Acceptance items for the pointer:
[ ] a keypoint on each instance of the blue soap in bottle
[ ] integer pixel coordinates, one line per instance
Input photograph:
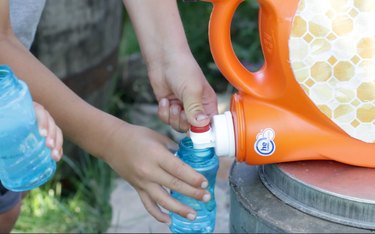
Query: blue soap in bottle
(205, 162)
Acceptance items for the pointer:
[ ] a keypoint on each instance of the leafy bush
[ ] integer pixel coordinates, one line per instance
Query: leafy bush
(50, 208)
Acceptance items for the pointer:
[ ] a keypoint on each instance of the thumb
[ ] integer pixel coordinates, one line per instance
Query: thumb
(192, 101)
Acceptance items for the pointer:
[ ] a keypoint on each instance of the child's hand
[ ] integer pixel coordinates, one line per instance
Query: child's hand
(49, 129)
(185, 97)
(141, 157)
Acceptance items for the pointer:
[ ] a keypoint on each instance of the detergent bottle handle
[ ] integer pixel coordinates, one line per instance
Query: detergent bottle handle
(260, 83)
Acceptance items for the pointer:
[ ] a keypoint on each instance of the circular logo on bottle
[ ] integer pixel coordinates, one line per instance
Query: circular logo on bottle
(264, 144)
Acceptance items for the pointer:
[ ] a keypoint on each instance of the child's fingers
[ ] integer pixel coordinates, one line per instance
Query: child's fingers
(163, 110)
(185, 173)
(175, 184)
(57, 151)
(51, 141)
(174, 116)
(163, 199)
(42, 118)
(153, 208)
(175, 113)
(184, 124)
(171, 112)
(49, 129)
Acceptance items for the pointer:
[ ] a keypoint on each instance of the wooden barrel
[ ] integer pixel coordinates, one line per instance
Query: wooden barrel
(308, 197)
(79, 41)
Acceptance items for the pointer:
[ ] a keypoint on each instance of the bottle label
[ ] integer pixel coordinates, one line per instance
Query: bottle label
(264, 144)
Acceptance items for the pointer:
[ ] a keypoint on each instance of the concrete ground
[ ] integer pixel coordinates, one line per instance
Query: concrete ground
(129, 215)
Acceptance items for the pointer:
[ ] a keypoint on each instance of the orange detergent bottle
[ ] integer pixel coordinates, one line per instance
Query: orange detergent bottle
(314, 97)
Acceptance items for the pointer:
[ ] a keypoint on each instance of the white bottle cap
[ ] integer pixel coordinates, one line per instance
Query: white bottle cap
(220, 135)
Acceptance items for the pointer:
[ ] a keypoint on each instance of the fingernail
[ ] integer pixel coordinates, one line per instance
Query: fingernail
(174, 110)
(201, 117)
(204, 184)
(43, 132)
(163, 102)
(168, 222)
(206, 197)
(191, 216)
(51, 142)
(55, 152)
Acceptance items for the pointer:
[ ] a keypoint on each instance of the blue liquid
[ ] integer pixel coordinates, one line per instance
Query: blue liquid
(205, 162)
(25, 160)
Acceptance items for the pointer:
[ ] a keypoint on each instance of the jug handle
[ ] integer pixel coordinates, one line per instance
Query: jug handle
(254, 83)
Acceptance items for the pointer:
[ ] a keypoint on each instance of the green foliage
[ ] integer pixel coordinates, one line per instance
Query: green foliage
(244, 34)
(195, 17)
(50, 208)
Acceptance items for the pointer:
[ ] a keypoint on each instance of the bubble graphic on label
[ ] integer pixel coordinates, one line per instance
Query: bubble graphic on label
(264, 144)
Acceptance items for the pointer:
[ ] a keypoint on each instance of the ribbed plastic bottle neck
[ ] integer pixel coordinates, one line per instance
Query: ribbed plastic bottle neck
(9, 85)
(7, 79)
(188, 153)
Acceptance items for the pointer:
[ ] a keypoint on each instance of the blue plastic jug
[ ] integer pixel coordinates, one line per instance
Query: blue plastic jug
(25, 160)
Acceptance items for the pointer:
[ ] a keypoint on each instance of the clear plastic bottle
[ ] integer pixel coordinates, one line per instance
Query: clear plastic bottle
(206, 162)
(25, 160)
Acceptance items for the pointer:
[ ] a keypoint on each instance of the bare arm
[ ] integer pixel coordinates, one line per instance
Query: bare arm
(158, 27)
(71, 113)
(175, 76)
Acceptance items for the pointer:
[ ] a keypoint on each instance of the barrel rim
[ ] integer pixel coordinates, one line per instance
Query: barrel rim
(283, 189)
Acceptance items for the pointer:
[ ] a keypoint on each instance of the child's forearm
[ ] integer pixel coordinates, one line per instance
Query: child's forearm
(85, 125)
(158, 27)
